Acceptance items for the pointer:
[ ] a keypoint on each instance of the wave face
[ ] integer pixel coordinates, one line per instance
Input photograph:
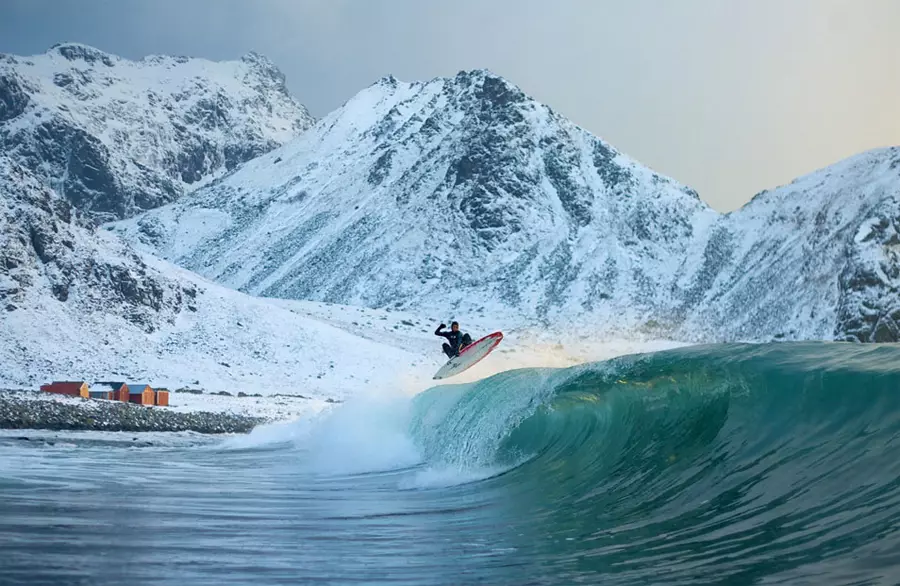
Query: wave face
(709, 463)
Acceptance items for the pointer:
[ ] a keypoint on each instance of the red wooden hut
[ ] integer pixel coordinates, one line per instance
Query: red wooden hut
(117, 391)
(72, 388)
(162, 397)
(141, 394)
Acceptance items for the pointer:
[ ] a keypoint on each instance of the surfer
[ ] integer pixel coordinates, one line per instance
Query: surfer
(456, 339)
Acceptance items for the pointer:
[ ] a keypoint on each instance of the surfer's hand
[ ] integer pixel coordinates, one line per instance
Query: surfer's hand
(442, 326)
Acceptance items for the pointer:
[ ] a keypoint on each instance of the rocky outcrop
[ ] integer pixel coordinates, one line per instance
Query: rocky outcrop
(869, 309)
(47, 245)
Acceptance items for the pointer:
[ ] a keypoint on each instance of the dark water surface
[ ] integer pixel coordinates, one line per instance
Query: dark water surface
(727, 464)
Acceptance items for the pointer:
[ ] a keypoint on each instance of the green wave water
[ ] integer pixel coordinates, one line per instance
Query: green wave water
(713, 464)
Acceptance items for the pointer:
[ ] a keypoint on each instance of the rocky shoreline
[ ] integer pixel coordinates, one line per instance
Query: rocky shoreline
(28, 410)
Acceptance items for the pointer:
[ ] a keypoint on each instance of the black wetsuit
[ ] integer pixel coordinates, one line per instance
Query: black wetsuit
(457, 340)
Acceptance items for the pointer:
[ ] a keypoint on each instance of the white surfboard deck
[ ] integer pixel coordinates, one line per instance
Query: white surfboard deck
(469, 356)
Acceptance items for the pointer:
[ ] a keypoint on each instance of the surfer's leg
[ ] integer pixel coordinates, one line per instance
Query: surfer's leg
(448, 351)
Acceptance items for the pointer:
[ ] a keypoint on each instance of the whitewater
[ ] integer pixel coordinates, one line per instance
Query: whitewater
(734, 463)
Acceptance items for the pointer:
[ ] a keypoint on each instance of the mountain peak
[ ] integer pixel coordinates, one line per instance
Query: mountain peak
(263, 65)
(256, 57)
(387, 81)
(464, 79)
(479, 74)
(480, 89)
(480, 77)
(81, 52)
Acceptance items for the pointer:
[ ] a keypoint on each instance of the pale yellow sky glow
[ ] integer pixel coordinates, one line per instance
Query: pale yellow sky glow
(729, 97)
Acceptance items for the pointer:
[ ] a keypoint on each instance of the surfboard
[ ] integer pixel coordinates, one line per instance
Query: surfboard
(469, 356)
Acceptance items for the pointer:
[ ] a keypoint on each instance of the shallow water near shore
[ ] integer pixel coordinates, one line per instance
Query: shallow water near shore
(708, 465)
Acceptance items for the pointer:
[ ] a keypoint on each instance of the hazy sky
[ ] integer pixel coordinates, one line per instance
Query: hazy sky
(729, 97)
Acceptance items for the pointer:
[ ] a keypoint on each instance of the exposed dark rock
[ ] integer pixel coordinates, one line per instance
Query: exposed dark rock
(49, 245)
(60, 291)
(561, 162)
(63, 79)
(13, 99)
(615, 176)
(89, 182)
(75, 52)
(381, 168)
(235, 154)
(870, 281)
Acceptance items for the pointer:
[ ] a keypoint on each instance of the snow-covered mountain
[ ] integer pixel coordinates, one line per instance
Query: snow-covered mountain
(116, 136)
(459, 193)
(818, 258)
(465, 195)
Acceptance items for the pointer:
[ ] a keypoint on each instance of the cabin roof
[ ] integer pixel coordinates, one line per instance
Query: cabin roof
(112, 386)
(66, 385)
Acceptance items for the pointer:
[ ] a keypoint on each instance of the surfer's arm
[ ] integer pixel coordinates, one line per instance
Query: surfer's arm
(438, 331)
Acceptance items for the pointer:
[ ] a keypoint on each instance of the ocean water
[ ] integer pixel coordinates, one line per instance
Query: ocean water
(723, 464)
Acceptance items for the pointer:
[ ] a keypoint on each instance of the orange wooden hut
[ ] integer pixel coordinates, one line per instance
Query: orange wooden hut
(141, 394)
(117, 391)
(72, 388)
(162, 397)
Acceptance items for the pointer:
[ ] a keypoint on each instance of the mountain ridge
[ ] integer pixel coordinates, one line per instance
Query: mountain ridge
(459, 195)
(540, 221)
(117, 136)
(465, 184)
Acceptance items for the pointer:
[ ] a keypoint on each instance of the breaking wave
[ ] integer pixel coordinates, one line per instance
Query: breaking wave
(706, 462)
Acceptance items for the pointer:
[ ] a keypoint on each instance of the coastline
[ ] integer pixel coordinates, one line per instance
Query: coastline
(26, 409)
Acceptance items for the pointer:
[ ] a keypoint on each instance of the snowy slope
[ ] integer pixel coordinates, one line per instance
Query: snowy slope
(116, 136)
(460, 194)
(78, 303)
(816, 259)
